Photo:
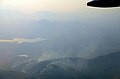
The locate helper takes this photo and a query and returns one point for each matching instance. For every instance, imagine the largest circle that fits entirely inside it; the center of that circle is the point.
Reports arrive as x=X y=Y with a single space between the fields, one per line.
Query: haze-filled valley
x=51 y=45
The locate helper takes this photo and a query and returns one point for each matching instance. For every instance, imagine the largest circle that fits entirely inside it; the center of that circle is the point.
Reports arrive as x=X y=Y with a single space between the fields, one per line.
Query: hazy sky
x=49 y=5
x=58 y=6
x=24 y=19
x=52 y=10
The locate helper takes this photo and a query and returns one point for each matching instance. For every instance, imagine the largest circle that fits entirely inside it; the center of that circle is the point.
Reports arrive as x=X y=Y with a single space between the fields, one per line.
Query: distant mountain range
x=62 y=55
x=106 y=67
x=103 y=67
x=85 y=37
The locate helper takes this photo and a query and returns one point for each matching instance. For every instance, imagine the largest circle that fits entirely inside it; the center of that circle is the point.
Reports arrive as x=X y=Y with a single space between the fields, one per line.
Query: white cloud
x=22 y=40
x=26 y=56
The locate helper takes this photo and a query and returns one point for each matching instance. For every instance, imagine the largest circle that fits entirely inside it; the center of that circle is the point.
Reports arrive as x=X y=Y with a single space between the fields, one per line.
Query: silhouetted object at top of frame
x=104 y=3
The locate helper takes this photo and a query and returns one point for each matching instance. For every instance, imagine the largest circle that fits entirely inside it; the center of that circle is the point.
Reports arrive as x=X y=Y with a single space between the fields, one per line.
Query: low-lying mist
x=87 y=37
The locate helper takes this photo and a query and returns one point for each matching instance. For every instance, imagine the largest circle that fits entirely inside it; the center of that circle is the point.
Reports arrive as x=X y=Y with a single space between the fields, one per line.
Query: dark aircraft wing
x=104 y=3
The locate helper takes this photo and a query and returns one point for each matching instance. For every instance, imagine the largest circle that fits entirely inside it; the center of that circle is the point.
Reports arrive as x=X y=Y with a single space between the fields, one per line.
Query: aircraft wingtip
x=103 y=3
